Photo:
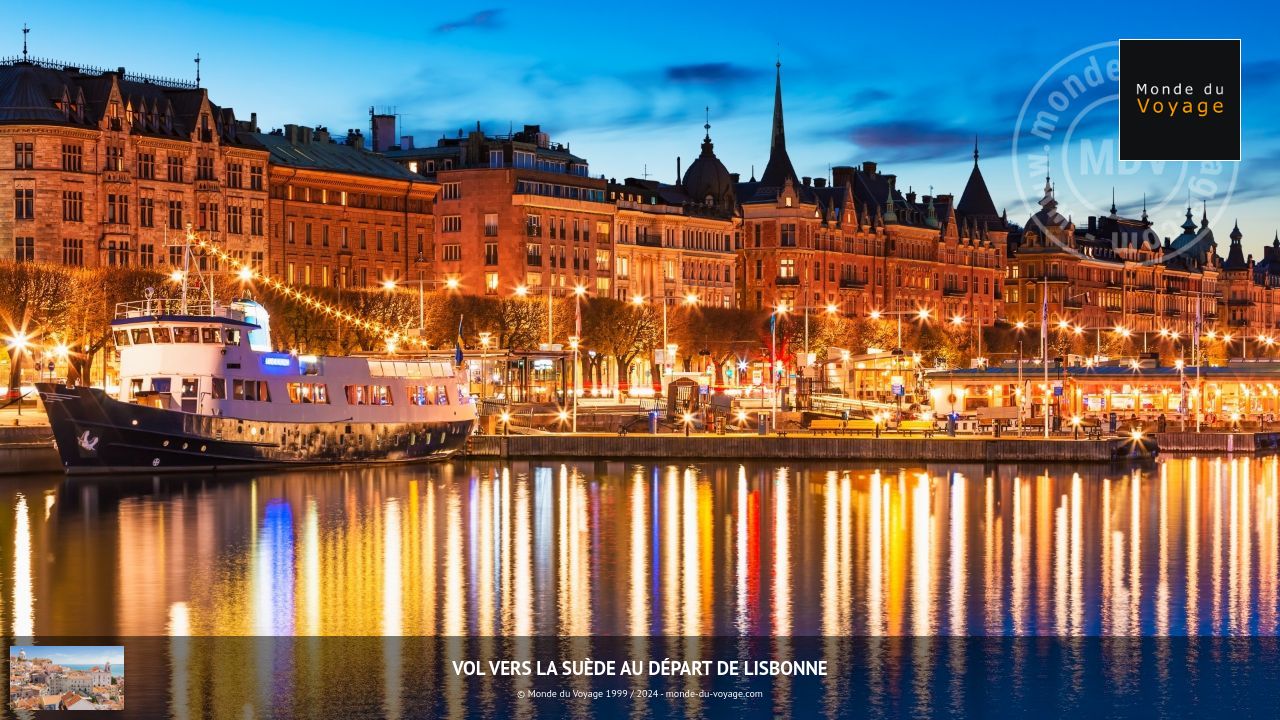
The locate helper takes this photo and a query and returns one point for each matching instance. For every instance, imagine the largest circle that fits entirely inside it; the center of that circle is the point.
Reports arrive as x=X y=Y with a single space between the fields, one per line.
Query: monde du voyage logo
x=1180 y=100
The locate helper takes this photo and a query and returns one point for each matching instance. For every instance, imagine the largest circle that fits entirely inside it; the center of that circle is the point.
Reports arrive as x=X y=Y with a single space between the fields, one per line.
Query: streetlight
x=773 y=360
x=579 y=291
x=245 y=274
x=921 y=314
x=690 y=299
x=573 y=343
x=485 y=337
x=389 y=284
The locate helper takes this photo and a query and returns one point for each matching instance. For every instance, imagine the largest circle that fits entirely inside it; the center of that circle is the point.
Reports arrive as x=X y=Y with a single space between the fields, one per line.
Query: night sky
x=626 y=85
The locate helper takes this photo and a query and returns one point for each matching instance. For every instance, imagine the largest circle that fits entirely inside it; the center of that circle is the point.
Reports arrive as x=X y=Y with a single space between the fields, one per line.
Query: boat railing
x=174 y=306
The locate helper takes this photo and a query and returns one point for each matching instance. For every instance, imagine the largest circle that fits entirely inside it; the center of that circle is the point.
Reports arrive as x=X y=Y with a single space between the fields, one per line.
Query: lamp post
x=921 y=314
x=773 y=360
x=638 y=300
x=573 y=343
x=578 y=292
x=485 y=337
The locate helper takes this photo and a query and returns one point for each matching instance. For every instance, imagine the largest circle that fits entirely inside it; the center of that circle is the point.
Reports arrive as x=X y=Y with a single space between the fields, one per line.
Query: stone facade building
x=516 y=213
x=108 y=168
x=861 y=245
x=342 y=216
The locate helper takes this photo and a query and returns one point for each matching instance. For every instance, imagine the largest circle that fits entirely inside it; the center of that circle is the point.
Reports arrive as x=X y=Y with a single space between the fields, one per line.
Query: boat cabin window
x=255 y=390
x=308 y=393
x=141 y=336
x=442 y=395
x=219 y=388
x=308 y=365
x=161 y=384
x=421 y=394
x=122 y=338
x=368 y=395
x=210 y=335
x=162 y=334
x=186 y=334
x=135 y=387
x=231 y=336
x=190 y=387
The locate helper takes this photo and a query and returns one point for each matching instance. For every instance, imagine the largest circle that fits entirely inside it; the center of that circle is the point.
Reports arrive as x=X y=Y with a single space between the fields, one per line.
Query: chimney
x=841 y=175
x=253 y=121
x=291 y=133
x=1093 y=225
x=321 y=134
x=406 y=142
x=911 y=195
x=678 y=175
x=355 y=138
x=735 y=177
x=384 y=131
x=868 y=167
x=806 y=180
x=819 y=182
x=120 y=71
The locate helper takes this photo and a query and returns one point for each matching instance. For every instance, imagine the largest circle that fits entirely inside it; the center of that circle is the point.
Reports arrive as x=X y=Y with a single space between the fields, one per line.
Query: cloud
x=490 y=19
x=869 y=96
x=1260 y=73
x=710 y=73
x=907 y=140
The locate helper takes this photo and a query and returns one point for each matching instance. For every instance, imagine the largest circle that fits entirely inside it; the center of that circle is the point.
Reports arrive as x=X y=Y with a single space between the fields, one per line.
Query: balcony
x=534 y=261
x=116 y=176
x=533 y=230
x=208 y=186
x=649 y=241
x=1172 y=312
x=851 y=283
x=788 y=280
x=1144 y=311
x=1239 y=302
x=953 y=292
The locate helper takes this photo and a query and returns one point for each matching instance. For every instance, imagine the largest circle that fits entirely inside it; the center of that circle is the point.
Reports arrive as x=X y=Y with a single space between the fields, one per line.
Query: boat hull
x=99 y=434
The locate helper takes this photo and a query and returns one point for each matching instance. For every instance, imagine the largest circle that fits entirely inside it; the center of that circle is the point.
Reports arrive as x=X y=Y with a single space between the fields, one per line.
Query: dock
x=802 y=447
x=1219 y=442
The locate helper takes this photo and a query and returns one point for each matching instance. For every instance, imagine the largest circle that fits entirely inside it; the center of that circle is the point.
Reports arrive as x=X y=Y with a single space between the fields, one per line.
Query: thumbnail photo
x=66 y=677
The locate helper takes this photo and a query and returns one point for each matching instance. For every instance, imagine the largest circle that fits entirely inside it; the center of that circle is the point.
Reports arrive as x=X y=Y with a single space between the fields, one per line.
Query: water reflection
x=1187 y=546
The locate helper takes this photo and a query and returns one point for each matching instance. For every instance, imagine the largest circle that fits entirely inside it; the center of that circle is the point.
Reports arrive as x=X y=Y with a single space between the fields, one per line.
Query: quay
x=795 y=446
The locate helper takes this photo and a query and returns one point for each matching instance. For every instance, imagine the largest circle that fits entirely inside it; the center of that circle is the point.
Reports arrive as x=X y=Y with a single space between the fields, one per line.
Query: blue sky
x=73 y=654
x=907 y=86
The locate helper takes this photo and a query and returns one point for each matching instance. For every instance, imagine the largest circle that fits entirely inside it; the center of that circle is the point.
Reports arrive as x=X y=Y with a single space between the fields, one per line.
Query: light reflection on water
x=1187 y=546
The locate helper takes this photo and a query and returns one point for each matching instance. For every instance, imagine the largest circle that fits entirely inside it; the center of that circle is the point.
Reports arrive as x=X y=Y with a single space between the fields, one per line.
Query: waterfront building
x=106 y=167
x=517 y=214
x=1117 y=275
x=859 y=243
x=342 y=216
x=678 y=243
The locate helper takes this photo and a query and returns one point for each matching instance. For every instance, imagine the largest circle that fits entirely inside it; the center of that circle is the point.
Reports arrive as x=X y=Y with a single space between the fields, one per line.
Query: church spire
x=779 y=168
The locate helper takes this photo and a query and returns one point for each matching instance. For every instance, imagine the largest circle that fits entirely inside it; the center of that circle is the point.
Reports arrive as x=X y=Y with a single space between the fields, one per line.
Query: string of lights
x=247 y=273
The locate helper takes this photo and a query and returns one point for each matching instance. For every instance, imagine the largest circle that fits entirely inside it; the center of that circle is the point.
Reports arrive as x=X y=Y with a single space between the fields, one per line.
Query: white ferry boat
x=201 y=388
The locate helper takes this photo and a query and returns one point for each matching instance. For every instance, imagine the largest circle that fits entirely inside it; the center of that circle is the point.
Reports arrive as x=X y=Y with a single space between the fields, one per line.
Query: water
x=873 y=569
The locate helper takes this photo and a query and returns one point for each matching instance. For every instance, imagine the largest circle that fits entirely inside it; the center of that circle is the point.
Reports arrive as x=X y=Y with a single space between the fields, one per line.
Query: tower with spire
x=779 y=168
